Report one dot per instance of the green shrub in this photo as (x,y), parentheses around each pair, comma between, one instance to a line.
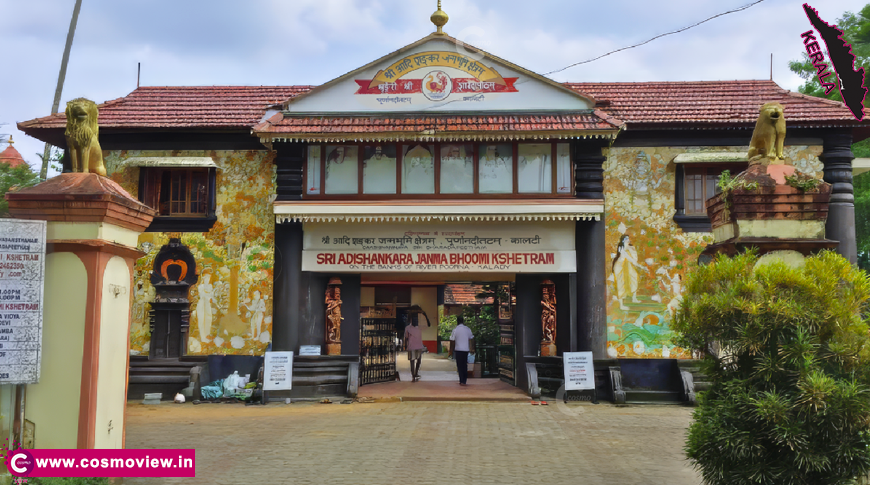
(788,353)
(446,324)
(483,324)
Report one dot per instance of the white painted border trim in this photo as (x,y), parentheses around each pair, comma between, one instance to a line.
(357,212)
(171,162)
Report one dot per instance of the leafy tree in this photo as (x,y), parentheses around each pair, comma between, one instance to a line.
(856,31)
(787,354)
(483,324)
(446,324)
(13,179)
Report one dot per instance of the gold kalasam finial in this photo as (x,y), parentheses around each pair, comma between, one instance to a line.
(10,140)
(439,18)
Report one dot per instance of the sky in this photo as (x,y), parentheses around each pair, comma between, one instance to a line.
(310,42)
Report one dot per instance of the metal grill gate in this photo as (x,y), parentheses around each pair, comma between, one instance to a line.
(377,350)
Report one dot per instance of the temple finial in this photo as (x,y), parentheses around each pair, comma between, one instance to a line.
(439,18)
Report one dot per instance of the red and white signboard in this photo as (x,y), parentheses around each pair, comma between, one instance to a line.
(437,247)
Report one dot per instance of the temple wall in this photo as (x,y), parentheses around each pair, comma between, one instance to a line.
(645,281)
(236,254)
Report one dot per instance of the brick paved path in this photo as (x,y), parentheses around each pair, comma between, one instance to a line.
(419,443)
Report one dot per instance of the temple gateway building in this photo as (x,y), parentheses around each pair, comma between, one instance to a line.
(311,215)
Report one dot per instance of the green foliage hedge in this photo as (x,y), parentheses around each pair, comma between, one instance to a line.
(788,360)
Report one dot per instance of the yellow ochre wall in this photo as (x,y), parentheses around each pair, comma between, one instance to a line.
(639,186)
(236,256)
(427,298)
(53,404)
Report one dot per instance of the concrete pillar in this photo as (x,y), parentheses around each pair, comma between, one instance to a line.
(837,157)
(92,234)
(287,287)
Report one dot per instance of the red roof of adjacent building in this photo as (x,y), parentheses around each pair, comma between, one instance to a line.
(464,294)
(184,107)
(711,103)
(715,102)
(11,157)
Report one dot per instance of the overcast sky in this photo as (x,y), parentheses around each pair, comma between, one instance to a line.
(286,42)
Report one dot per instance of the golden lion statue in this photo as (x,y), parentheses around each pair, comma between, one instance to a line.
(768,136)
(82,137)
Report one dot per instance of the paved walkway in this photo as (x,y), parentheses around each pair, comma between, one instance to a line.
(440,382)
(419,443)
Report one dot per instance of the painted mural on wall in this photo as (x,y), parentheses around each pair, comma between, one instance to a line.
(231,305)
(648,255)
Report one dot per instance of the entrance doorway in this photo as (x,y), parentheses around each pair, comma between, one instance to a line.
(387,307)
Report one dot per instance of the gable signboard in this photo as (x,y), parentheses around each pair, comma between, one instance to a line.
(438,74)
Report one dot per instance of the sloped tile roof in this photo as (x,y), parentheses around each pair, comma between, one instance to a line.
(649,104)
(184,107)
(464,294)
(280,124)
(714,102)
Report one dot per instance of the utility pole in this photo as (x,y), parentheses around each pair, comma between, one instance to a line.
(60,78)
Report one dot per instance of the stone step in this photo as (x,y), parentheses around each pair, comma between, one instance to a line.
(644,396)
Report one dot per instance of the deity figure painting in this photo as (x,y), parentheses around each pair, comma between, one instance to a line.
(625,268)
(203,306)
(257,307)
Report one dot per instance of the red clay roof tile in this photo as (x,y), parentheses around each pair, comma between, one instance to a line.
(712,103)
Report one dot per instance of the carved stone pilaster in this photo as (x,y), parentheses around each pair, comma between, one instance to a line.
(837,157)
(588,170)
(290,163)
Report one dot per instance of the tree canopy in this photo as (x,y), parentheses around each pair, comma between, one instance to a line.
(14,178)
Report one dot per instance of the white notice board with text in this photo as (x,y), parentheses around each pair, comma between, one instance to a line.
(579,371)
(278,371)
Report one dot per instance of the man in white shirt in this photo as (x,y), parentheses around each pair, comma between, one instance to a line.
(463,342)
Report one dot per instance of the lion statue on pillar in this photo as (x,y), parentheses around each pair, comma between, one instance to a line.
(768,137)
(82,138)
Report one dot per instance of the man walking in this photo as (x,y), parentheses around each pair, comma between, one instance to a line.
(463,341)
(414,345)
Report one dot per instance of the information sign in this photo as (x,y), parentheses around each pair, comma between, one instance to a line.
(22,277)
(278,371)
(579,371)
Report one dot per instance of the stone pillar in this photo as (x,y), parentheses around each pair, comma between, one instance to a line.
(837,157)
(591,262)
(288,286)
(92,234)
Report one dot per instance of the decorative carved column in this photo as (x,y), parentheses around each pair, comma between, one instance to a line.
(588,171)
(837,157)
(591,324)
(333,317)
(548,319)
(290,163)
